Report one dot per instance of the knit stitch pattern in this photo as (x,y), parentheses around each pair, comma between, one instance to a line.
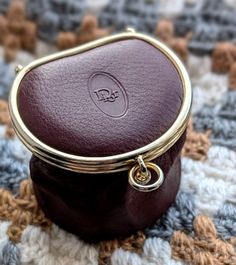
(200,226)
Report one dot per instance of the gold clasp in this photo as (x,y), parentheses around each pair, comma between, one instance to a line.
(18,68)
(140,175)
(143,175)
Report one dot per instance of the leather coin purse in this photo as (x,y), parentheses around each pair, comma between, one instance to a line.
(105,122)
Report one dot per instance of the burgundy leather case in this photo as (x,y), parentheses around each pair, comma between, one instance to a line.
(105,101)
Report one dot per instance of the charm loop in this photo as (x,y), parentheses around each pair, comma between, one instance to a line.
(138,180)
(143,168)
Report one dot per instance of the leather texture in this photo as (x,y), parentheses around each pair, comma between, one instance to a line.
(103,206)
(65,104)
(106,101)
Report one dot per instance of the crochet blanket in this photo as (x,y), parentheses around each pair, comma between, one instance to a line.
(200,227)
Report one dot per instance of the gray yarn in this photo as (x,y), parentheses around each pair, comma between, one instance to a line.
(34,9)
(209,23)
(7,76)
(210,5)
(221,121)
(220,127)
(48,26)
(228,104)
(186,22)
(225,221)
(54,16)
(10,254)
(179,217)
(71,13)
(13,168)
(204,38)
(4,4)
(142,15)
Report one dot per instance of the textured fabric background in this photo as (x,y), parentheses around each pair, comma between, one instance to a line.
(200,227)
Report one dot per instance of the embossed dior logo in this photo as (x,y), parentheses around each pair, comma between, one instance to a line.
(106,94)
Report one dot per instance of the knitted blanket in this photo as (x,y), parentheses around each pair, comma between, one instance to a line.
(200,227)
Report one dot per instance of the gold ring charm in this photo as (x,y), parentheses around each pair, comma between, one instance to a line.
(140,182)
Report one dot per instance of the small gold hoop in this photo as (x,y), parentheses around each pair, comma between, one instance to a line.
(141,186)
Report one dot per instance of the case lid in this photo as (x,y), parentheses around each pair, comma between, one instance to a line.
(112,97)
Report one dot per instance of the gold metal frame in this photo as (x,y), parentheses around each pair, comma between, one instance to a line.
(109,163)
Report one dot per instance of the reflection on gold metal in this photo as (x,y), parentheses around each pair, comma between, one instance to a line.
(130,29)
(144,175)
(109,163)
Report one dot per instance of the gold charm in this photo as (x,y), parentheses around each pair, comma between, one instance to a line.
(140,175)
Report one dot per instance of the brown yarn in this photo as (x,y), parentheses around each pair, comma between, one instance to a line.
(133,243)
(10,132)
(5,119)
(89,30)
(66,40)
(197,144)
(11,47)
(165,30)
(232,77)
(29,36)
(16,17)
(4,114)
(15,25)
(204,247)
(3,28)
(22,210)
(233,241)
(180,46)
(223,57)
(7,204)
(16,10)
